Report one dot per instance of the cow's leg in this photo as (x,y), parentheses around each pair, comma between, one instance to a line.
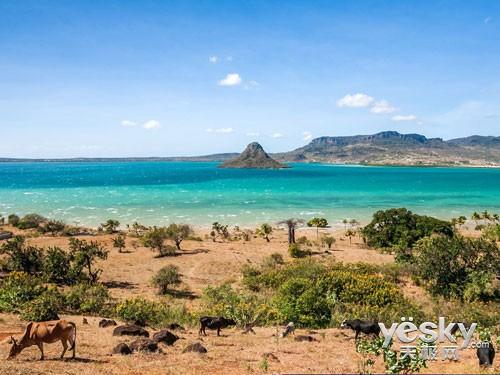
(40,346)
(65,347)
(356,337)
(218,331)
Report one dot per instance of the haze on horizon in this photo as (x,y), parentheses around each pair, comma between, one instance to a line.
(172,78)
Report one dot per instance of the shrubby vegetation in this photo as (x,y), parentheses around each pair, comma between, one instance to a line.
(399,227)
(22,257)
(311,294)
(166,278)
(458,267)
(155,239)
(88,299)
(44,307)
(143,311)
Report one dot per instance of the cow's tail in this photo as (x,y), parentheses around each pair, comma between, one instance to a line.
(73,346)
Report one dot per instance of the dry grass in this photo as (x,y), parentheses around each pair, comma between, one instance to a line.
(201,264)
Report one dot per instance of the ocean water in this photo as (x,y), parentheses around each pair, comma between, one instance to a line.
(200,193)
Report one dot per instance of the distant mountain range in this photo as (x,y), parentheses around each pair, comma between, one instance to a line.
(384,148)
(393,148)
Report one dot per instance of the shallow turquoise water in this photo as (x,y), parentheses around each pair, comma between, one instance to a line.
(200,193)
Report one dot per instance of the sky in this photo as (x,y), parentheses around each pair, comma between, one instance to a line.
(165,78)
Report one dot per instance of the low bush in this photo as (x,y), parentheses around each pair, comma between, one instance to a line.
(313,294)
(44,307)
(57,266)
(31,221)
(295,251)
(143,311)
(88,299)
(13,219)
(17,289)
(244,308)
(22,257)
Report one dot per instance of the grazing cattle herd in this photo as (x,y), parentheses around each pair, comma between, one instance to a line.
(38,333)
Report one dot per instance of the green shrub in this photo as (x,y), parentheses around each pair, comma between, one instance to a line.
(155,239)
(13,219)
(313,294)
(244,308)
(458,267)
(22,257)
(166,277)
(31,221)
(111,226)
(88,299)
(399,227)
(17,289)
(492,232)
(155,313)
(272,261)
(57,266)
(53,227)
(296,252)
(44,307)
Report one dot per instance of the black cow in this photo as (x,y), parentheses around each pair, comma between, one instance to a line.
(364,326)
(212,322)
(486,355)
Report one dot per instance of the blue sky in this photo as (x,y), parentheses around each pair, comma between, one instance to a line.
(164,78)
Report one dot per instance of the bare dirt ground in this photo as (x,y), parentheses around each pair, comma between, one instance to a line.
(201,264)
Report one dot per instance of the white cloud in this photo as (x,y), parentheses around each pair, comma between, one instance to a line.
(250,84)
(232,79)
(229,58)
(213,59)
(128,123)
(399,118)
(355,100)
(252,134)
(307,136)
(151,124)
(220,130)
(382,107)
(277,135)
(487,20)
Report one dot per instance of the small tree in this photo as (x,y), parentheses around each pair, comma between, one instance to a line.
(458,266)
(119,242)
(318,222)
(111,226)
(328,241)
(31,221)
(155,239)
(178,233)
(84,255)
(219,231)
(350,234)
(264,231)
(166,277)
(13,219)
(57,266)
(22,257)
(296,252)
(53,227)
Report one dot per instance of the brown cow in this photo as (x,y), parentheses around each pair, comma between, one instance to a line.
(46,332)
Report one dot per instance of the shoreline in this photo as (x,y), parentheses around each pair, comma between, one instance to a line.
(195,159)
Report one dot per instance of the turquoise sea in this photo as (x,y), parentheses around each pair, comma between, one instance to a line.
(199,193)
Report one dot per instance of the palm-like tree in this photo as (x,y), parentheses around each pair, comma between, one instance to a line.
(291,224)
(345,221)
(475,216)
(486,215)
